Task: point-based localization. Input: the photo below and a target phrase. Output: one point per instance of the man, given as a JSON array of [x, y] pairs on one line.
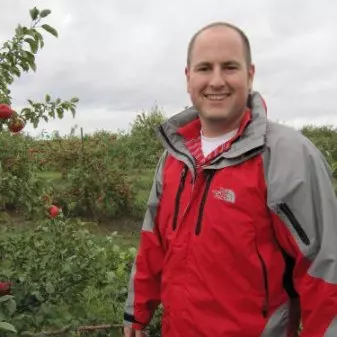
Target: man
[[242, 216]]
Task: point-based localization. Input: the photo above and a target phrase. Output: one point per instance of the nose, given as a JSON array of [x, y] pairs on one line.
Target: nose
[[217, 79]]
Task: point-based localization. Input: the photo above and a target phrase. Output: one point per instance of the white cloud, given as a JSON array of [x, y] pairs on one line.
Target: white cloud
[[121, 57]]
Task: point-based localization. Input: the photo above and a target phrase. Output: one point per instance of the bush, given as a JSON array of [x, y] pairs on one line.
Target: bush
[[20, 187], [64, 275], [325, 138]]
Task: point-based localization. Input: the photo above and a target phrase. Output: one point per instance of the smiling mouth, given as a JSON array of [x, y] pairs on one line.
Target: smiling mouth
[[217, 97]]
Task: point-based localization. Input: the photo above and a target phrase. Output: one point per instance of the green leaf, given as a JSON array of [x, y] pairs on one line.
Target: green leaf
[[5, 298], [48, 98], [34, 13], [59, 112], [28, 55], [7, 327], [19, 30], [24, 66], [16, 71], [8, 78], [31, 32], [5, 66], [45, 13], [11, 305], [32, 65], [39, 38], [30, 59], [38, 296], [25, 30], [50, 30], [50, 288], [34, 46]]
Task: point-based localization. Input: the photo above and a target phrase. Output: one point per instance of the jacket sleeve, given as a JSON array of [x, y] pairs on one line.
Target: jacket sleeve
[[304, 215], [144, 284]]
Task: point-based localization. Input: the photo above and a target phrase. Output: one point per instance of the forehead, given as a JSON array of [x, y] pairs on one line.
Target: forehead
[[218, 44]]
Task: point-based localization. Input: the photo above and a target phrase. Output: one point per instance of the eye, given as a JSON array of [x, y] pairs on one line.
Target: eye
[[204, 68], [231, 67]]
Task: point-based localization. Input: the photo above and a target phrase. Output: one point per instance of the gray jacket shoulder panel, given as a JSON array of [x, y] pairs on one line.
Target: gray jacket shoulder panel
[[300, 190], [291, 160]]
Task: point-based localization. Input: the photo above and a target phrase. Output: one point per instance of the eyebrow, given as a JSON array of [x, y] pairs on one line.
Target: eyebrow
[[208, 64]]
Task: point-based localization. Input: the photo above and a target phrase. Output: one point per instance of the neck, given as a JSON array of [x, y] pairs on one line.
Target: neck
[[217, 127]]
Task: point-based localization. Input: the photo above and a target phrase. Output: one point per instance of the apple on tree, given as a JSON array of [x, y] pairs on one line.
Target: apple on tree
[[16, 124], [5, 111], [54, 211], [5, 288]]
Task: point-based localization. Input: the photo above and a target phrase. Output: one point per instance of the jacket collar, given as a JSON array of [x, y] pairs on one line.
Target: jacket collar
[[252, 137]]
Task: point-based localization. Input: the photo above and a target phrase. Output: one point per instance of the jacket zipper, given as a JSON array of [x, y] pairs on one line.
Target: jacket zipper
[[294, 222], [265, 306], [178, 197], [203, 201]]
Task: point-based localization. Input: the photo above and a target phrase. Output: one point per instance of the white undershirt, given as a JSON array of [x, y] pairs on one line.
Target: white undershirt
[[210, 144]]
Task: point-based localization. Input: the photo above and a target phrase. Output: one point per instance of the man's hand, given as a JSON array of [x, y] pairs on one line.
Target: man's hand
[[129, 332]]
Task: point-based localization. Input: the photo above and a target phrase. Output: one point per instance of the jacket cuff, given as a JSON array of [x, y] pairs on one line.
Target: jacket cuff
[[129, 320]]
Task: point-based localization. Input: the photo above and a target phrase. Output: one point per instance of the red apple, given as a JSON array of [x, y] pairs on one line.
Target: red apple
[[5, 288], [5, 111], [54, 211], [16, 124]]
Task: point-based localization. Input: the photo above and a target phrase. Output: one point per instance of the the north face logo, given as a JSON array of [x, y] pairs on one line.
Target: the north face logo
[[224, 194]]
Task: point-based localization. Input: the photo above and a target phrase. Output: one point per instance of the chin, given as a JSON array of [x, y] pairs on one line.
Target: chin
[[216, 118], [216, 115]]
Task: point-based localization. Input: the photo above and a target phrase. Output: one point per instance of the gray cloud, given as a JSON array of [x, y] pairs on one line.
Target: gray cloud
[[121, 57]]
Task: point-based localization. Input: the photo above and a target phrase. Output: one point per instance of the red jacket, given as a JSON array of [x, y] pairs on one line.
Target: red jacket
[[227, 247]]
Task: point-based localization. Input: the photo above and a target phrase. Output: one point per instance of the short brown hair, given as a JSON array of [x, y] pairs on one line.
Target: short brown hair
[[243, 36]]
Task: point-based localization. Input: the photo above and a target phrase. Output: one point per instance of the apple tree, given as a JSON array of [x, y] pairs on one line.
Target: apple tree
[[17, 55], [20, 187]]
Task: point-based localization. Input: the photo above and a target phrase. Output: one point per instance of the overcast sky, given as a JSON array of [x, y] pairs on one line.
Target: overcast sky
[[121, 57]]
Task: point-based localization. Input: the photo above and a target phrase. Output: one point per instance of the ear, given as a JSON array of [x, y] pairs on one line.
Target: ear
[[187, 74], [251, 74]]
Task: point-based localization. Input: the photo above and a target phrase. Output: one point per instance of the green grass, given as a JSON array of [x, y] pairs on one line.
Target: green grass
[[141, 179], [127, 240], [50, 176], [123, 240]]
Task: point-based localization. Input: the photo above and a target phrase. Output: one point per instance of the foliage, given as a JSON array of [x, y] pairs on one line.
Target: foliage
[[20, 187], [325, 138], [91, 181], [141, 146], [100, 176], [17, 55], [63, 275], [97, 186], [93, 184]]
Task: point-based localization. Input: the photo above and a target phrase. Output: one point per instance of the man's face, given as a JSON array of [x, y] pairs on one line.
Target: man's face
[[218, 77]]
